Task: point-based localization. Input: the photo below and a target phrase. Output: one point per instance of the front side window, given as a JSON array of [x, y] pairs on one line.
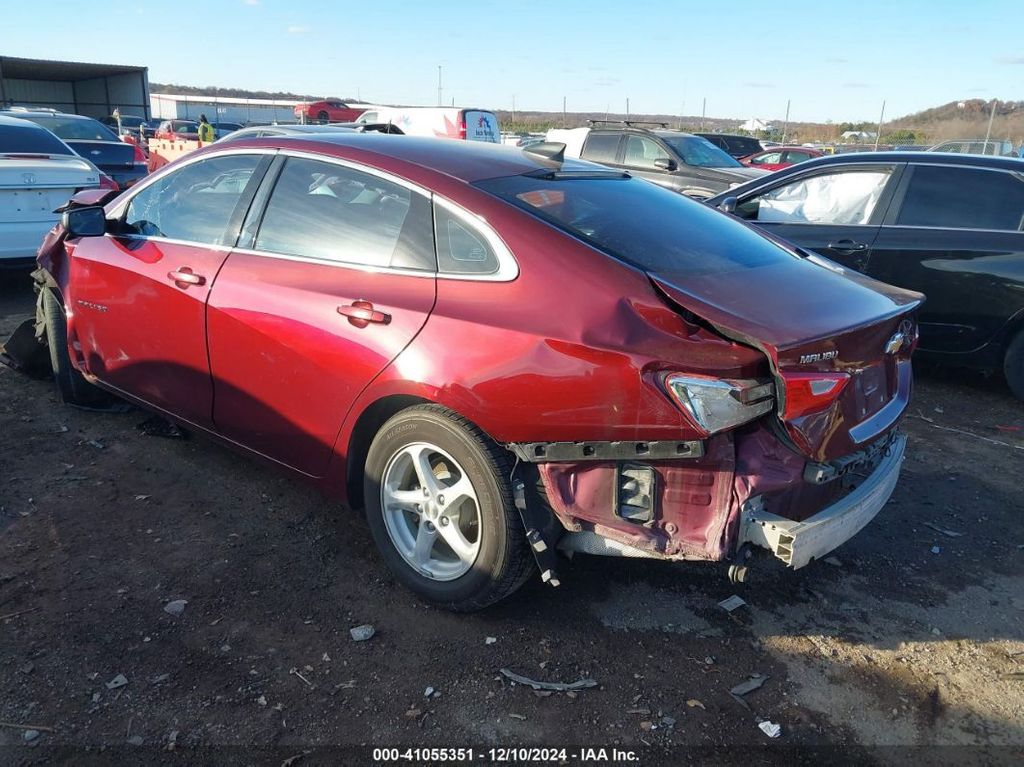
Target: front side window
[[831, 198], [326, 211], [794, 156], [193, 203], [767, 159], [963, 198], [642, 152]]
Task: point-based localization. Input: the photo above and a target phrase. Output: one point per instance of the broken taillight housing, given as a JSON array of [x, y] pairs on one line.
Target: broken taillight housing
[[106, 182], [717, 404], [811, 392]]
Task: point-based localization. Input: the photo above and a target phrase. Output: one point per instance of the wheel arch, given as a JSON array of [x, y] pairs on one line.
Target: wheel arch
[[363, 431]]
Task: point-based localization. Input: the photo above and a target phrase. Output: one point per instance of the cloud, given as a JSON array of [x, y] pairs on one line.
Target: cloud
[[297, 29], [855, 85], [1010, 60], [250, 2], [758, 85], [836, 60]]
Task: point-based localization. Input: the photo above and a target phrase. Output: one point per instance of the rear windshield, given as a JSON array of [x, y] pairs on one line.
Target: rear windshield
[[15, 139], [652, 228], [75, 128], [700, 152]]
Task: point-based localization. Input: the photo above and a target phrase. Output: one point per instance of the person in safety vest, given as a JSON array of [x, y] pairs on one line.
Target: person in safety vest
[[206, 134]]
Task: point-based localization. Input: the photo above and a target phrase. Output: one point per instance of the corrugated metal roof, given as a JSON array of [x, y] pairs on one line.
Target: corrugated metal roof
[[65, 71]]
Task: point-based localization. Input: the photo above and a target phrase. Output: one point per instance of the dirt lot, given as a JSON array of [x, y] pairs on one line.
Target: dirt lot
[[909, 638]]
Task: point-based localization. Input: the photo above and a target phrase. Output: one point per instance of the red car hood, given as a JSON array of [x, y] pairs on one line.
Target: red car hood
[[809, 315]]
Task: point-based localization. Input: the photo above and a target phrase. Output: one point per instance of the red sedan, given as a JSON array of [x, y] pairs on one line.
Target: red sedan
[[499, 354], [328, 110], [780, 157]]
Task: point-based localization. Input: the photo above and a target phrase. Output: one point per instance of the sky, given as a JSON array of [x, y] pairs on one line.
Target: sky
[[832, 60]]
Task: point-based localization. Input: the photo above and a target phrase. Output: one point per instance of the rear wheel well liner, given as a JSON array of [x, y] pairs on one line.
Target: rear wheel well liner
[[365, 429]]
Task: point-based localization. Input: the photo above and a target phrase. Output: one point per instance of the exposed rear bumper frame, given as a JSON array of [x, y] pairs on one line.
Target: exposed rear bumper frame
[[798, 543]]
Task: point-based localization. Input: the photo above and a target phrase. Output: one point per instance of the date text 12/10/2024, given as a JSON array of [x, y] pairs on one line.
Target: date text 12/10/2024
[[502, 754]]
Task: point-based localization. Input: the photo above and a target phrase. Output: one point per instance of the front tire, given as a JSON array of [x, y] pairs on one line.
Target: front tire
[[1013, 365], [71, 385], [440, 507]]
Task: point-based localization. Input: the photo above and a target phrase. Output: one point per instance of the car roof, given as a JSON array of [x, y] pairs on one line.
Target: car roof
[[468, 161], [932, 158], [16, 122], [44, 113]]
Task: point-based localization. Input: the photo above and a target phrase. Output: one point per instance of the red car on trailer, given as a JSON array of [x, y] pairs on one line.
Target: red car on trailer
[[497, 353], [327, 111]]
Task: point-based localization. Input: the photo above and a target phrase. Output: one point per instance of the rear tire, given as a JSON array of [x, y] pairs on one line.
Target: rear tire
[[323, 117], [71, 385], [489, 558], [1013, 365]]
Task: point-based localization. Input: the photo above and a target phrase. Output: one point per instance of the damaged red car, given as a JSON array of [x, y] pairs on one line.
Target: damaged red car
[[499, 354]]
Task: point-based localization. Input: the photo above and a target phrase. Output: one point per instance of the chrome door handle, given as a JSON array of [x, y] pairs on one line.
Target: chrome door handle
[[184, 277], [847, 246]]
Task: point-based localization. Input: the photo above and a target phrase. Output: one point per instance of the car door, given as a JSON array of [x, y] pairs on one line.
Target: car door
[[834, 211], [646, 158], [954, 233], [334, 274], [138, 294]]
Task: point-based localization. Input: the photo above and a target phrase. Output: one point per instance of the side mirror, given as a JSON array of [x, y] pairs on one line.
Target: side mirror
[[85, 222], [665, 163], [728, 205]]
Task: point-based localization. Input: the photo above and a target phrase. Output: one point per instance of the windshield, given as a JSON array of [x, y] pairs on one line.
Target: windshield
[[15, 139], [700, 152], [638, 222], [75, 128]]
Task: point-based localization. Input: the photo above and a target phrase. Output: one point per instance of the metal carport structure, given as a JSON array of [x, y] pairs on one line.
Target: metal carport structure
[[71, 86]]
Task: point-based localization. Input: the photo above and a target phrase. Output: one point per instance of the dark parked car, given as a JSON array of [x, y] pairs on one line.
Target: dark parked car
[[123, 162], [680, 161], [385, 317], [222, 129], [263, 131], [737, 146], [133, 124], [949, 226]]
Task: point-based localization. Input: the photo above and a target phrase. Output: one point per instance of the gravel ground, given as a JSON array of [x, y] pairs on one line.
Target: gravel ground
[[911, 636]]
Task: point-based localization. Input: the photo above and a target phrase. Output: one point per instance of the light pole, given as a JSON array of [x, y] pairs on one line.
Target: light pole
[[439, 100]]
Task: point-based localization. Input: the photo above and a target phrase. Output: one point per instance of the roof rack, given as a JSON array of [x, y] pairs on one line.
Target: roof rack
[[630, 123]]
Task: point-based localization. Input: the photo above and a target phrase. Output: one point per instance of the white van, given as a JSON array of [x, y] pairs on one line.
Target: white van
[[439, 122]]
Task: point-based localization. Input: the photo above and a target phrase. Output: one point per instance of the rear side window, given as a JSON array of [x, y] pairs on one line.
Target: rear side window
[[193, 203], [641, 223], [461, 247], [327, 211], [963, 198], [601, 147], [767, 159], [15, 139], [75, 128]]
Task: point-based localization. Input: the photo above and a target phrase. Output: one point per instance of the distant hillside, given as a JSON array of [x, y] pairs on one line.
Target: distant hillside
[[234, 93]]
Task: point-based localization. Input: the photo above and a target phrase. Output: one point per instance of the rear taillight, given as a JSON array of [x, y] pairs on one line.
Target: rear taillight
[[716, 404], [811, 392], [462, 128], [106, 182], [140, 156]]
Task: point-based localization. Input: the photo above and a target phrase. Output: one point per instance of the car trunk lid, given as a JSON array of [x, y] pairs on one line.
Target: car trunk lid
[[33, 186], [109, 156], [839, 344]]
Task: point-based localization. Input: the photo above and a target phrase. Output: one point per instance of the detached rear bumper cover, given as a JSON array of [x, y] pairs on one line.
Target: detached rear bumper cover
[[797, 543]]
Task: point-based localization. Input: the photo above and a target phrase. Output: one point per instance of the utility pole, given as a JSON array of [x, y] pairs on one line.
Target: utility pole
[[513, 107], [440, 102], [563, 111], [627, 107], [881, 119], [682, 111], [785, 125], [703, 111], [988, 133]]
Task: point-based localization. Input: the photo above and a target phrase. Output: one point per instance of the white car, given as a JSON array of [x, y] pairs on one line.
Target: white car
[[38, 173]]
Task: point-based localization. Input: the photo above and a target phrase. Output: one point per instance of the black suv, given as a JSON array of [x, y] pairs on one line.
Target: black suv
[[737, 146], [949, 226], [680, 161]]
